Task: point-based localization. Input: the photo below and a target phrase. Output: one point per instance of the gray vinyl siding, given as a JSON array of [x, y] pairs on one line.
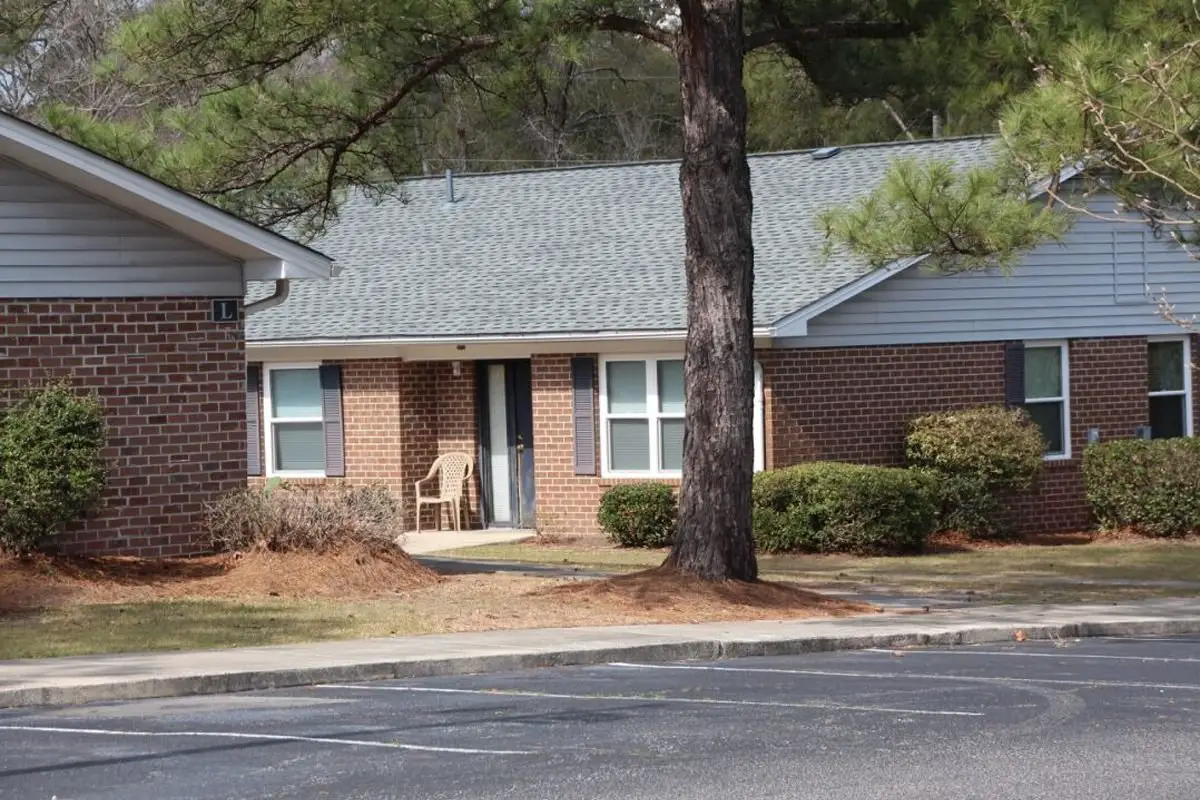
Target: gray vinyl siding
[[1093, 284], [58, 242]]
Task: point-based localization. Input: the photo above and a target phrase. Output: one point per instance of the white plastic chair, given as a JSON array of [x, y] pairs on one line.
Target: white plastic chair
[[455, 469]]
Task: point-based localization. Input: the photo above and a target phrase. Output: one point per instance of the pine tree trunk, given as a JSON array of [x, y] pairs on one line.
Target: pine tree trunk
[[713, 541]]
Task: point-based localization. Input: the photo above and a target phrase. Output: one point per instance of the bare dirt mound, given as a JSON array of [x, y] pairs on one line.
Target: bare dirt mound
[[347, 573], [663, 592]]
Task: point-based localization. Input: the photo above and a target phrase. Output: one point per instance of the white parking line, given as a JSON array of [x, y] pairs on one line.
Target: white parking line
[[1031, 654], [266, 737], [912, 676], [1161, 639], [653, 699]]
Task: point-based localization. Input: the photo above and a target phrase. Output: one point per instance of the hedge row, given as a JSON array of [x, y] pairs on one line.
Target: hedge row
[[821, 507], [963, 466], [829, 507], [1150, 487]]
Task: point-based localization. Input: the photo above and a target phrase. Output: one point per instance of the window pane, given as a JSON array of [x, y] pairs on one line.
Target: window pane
[[629, 445], [295, 393], [1167, 417], [670, 443], [670, 387], [1166, 366], [626, 387], [1048, 417], [299, 446], [1043, 372]]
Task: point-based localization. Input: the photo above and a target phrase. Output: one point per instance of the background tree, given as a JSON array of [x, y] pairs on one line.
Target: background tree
[[1121, 100], [291, 103], [50, 53]]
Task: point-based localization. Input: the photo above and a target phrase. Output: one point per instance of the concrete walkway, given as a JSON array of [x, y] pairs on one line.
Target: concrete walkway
[[437, 541], [138, 675]]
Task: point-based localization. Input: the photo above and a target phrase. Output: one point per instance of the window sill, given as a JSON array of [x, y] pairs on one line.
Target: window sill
[[297, 474], [641, 476], [1050, 461]]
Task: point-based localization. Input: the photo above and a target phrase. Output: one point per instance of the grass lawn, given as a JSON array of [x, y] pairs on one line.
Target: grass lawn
[[1011, 573], [84, 608], [79, 626], [196, 624]]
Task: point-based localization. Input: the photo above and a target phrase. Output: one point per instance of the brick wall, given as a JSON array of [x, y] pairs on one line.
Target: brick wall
[[852, 404], [1108, 391], [372, 421], [566, 502], [457, 425], [172, 384], [398, 417]]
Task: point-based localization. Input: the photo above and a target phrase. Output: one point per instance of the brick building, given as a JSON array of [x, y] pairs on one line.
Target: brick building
[[133, 289], [536, 320]]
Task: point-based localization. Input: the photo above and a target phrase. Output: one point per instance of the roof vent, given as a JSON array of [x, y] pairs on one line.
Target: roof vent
[[823, 153], [450, 198]]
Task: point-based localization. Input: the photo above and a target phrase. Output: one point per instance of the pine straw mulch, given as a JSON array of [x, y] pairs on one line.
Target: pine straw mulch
[[662, 591], [348, 573], [431, 603]]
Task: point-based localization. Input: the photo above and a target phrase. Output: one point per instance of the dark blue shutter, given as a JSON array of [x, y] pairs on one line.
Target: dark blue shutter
[[254, 465], [583, 411], [1014, 374], [331, 412]]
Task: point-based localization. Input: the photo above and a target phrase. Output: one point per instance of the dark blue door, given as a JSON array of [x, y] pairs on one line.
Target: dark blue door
[[520, 395], [506, 447]]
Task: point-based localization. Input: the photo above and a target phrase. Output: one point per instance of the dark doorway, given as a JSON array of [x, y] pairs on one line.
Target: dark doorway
[[504, 401]]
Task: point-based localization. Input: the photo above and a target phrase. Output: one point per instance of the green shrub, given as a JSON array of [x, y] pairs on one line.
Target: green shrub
[[639, 514], [52, 469], [829, 507], [1151, 487], [982, 456], [283, 517]]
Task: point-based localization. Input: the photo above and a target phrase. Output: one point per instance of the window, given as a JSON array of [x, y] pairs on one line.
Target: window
[[1047, 388], [641, 410], [1170, 388], [295, 431]]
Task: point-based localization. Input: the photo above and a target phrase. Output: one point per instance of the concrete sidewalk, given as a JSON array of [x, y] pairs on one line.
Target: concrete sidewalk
[[436, 541], [83, 679]]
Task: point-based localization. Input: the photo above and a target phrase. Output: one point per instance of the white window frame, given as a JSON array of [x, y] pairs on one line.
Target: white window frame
[[268, 416], [1186, 394], [653, 415], [1065, 399]]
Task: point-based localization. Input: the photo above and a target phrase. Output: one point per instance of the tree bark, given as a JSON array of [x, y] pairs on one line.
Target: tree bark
[[713, 541]]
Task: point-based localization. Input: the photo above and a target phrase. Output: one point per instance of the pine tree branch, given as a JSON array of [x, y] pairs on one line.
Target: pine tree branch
[[634, 27], [835, 29]]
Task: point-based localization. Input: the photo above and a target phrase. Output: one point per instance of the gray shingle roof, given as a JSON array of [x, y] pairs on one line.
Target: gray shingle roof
[[582, 250]]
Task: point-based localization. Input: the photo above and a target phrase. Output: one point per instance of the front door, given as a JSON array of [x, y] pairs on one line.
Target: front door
[[505, 404]]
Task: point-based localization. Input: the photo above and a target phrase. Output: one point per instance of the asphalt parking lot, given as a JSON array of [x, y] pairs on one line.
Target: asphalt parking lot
[[1108, 718]]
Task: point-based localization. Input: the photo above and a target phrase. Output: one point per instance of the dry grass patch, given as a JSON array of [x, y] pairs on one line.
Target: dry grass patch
[[953, 564]]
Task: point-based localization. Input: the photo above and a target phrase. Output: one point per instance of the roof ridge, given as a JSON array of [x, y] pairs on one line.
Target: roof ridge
[[661, 161]]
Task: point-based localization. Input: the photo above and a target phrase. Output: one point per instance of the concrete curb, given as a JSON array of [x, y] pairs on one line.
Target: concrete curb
[[680, 650]]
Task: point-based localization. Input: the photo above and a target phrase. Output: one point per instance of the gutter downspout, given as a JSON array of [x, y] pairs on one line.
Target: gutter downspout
[[283, 287]]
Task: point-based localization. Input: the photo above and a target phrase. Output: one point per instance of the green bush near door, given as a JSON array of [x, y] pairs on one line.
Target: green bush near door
[[639, 514]]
